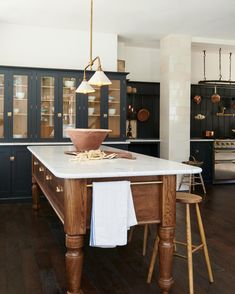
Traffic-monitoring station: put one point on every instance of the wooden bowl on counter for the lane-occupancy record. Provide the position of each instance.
(87, 139)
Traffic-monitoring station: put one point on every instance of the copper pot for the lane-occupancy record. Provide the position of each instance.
(197, 99)
(215, 98)
(209, 134)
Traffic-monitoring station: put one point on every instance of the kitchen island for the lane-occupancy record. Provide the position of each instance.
(68, 187)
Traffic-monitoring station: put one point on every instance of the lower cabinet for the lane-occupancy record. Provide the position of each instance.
(203, 151)
(15, 172)
(151, 149)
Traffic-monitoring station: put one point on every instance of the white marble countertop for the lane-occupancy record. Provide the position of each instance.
(143, 140)
(59, 164)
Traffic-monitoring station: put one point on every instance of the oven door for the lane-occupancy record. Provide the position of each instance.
(224, 168)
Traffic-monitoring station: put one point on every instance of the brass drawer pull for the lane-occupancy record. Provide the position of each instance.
(41, 169)
(35, 163)
(59, 189)
(48, 177)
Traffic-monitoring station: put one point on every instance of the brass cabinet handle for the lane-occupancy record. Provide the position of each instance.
(41, 169)
(12, 158)
(9, 114)
(59, 189)
(35, 163)
(59, 114)
(48, 177)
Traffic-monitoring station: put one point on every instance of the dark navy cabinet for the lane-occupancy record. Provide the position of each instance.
(15, 172)
(203, 151)
(40, 104)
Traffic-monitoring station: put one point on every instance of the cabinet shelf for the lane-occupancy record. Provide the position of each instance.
(114, 102)
(114, 115)
(69, 114)
(47, 87)
(20, 99)
(94, 115)
(16, 85)
(20, 114)
(114, 89)
(47, 114)
(47, 100)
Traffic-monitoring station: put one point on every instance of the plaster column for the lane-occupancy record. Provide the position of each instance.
(175, 76)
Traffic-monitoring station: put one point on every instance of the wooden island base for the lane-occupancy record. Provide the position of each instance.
(154, 200)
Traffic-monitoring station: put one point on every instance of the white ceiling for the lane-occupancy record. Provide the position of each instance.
(135, 21)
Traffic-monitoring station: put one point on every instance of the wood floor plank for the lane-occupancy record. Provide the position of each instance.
(32, 253)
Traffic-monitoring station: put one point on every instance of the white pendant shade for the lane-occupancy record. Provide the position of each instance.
(99, 79)
(85, 88)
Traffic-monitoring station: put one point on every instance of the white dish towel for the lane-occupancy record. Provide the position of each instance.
(112, 214)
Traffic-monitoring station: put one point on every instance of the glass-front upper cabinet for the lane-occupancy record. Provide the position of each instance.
(2, 91)
(94, 109)
(114, 108)
(20, 106)
(69, 104)
(47, 102)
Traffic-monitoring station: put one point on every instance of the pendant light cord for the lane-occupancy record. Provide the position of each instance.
(91, 33)
(230, 66)
(220, 75)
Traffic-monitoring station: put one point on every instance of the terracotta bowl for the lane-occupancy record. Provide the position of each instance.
(87, 139)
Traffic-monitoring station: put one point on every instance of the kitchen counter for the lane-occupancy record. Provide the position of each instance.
(68, 187)
(202, 140)
(142, 166)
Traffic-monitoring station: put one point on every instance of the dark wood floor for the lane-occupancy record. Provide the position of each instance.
(32, 253)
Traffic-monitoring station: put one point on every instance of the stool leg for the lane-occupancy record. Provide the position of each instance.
(153, 260)
(203, 185)
(190, 183)
(193, 182)
(145, 239)
(181, 181)
(203, 238)
(189, 249)
(130, 235)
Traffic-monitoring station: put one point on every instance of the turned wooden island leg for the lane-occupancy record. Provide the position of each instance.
(35, 194)
(167, 233)
(74, 263)
(166, 249)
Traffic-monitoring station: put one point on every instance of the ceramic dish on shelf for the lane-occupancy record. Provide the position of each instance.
(111, 98)
(69, 84)
(20, 95)
(112, 111)
(16, 110)
(18, 136)
(91, 98)
(91, 110)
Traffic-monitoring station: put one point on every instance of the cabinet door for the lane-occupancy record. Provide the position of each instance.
(47, 106)
(5, 171)
(68, 104)
(2, 106)
(92, 107)
(203, 151)
(21, 171)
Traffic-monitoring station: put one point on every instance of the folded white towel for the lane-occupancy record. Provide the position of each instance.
(112, 214)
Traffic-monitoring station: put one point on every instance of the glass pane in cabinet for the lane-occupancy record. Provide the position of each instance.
(114, 109)
(1, 106)
(47, 107)
(94, 109)
(69, 104)
(20, 106)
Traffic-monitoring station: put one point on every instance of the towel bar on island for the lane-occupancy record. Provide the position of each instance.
(136, 183)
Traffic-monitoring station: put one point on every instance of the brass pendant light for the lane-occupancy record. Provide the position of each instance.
(99, 78)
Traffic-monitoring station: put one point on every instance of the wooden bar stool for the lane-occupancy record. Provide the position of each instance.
(146, 229)
(187, 199)
(192, 180)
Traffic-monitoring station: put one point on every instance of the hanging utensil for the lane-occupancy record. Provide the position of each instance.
(143, 114)
(197, 99)
(215, 98)
(204, 64)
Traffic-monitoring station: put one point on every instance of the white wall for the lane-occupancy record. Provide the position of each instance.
(143, 64)
(54, 48)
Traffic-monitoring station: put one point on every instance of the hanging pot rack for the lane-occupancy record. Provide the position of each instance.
(220, 81)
